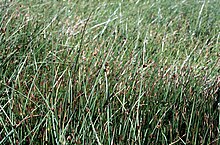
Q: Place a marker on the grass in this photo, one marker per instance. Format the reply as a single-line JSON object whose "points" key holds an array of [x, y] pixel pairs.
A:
{"points": [[109, 72]]}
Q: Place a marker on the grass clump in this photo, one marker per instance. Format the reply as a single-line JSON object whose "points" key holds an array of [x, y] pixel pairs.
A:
{"points": [[109, 72]]}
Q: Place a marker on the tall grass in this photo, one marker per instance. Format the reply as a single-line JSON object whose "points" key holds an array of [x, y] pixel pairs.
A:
{"points": [[109, 72]]}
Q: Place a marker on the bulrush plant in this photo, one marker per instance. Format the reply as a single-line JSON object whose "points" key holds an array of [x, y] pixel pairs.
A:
{"points": [[109, 72]]}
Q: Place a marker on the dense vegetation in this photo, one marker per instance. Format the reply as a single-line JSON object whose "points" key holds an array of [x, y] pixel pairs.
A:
{"points": [[109, 72]]}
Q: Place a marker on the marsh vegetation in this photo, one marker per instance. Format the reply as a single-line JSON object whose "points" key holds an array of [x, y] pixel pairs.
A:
{"points": [[109, 72]]}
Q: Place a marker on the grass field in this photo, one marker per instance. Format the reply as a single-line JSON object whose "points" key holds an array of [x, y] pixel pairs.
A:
{"points": [[110, 72]]}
